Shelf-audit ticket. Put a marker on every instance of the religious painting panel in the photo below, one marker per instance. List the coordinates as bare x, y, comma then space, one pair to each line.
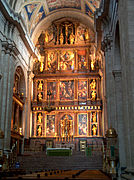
51, 87
50, 125
82, 90
67, 60
81, 29
67, 90
52, 61
82, 63
82, 124
66, 126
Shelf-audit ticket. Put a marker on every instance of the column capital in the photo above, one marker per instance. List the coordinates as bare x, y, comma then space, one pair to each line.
10, 48
107, 42
117, 74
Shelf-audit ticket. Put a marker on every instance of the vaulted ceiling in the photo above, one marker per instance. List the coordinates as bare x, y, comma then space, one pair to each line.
38, 14
34, 12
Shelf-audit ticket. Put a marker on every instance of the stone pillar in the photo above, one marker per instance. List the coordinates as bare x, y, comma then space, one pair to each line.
119, 116
8, 54
110, 95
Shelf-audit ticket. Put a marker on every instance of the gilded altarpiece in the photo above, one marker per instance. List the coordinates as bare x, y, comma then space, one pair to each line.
67, 90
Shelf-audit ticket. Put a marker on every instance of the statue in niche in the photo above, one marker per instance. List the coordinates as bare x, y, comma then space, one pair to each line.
71, 38
93, 84
94, 117
94, 130
40, 118
36, 66
93, 95
61, 38
39, 130
86, 34
92, 64
40, 86
41, 66
40, 96
46, 37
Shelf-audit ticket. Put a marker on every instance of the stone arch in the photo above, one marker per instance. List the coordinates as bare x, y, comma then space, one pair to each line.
67, 13
22, 83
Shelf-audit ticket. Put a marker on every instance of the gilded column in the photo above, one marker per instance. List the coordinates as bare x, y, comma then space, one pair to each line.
76, 60
46, 60
45, 90
98, 123
58, 57
35, 120
43, 125
97, 88
76, 33
57, 34
87, 59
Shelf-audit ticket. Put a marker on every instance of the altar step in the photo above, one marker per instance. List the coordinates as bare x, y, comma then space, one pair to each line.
34, 162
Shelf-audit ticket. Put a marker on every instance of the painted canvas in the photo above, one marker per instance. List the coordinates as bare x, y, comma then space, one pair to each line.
50, 126
82, 90
51, 86
67, 60
67, 90
82, 64
51, 62
82, 124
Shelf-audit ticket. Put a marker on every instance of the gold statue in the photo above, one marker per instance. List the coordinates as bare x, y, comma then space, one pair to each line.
46, 37
93, 84
71, 38
93, 95
40, 96
94, 130
61, 38
86, 34
39, 131
40, 118
41, 66
94, 116
40, 87
92, 64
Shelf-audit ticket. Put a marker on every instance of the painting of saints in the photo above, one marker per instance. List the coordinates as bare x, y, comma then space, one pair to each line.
67, 61
82, 124
51, 86
66, 90
50, 129
51, 62
82, 90
82, 63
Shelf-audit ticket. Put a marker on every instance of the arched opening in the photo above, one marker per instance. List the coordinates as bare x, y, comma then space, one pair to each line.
17, 110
